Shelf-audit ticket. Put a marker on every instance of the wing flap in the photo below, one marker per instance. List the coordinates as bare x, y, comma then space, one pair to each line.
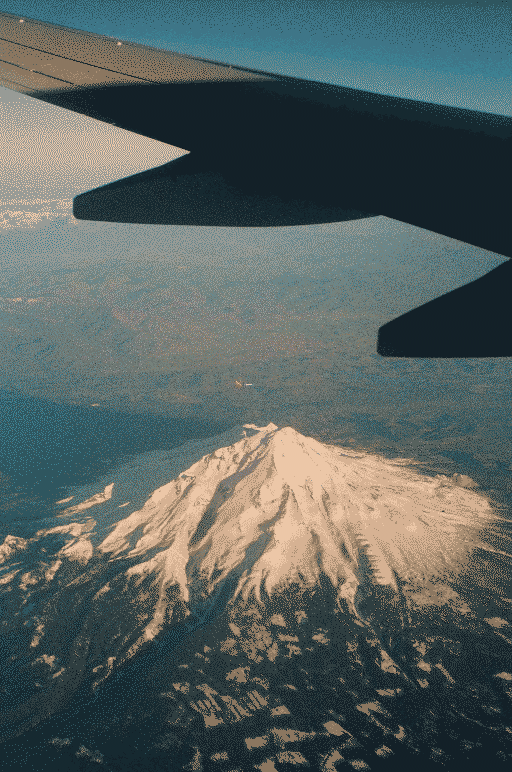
137, 61
57, 67
25, 81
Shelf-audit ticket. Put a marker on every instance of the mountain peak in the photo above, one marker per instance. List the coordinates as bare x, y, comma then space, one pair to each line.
272, 514
277, 507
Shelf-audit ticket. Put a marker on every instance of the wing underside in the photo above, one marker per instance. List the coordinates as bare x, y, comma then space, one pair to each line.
272, 150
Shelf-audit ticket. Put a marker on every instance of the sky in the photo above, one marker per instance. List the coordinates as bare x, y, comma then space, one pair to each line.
453, 53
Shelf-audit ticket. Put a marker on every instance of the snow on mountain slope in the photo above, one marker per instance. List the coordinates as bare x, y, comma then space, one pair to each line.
279, 507
274, 510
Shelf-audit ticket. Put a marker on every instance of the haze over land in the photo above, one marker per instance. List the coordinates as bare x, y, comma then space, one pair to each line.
110, 330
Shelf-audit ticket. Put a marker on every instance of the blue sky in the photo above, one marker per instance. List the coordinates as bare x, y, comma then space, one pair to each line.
456, 53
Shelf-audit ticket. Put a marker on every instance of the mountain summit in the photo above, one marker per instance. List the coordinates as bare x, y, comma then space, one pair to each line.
277, 508
276, 530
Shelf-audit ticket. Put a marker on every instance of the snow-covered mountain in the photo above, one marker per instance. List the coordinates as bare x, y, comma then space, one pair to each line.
278, 527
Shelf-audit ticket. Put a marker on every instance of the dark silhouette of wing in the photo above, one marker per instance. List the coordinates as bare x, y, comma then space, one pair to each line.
272, 150
471, 321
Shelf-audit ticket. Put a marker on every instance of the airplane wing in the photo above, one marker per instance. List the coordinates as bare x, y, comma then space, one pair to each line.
273, 150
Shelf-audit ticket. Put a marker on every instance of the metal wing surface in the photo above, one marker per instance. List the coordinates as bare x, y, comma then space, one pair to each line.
273, 150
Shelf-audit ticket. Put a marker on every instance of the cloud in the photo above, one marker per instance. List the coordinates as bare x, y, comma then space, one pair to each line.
23, 213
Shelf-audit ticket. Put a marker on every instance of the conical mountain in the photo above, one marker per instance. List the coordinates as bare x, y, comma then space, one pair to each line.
279, 507
275, 531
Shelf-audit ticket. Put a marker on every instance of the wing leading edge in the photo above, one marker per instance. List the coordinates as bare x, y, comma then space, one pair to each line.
272, 150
